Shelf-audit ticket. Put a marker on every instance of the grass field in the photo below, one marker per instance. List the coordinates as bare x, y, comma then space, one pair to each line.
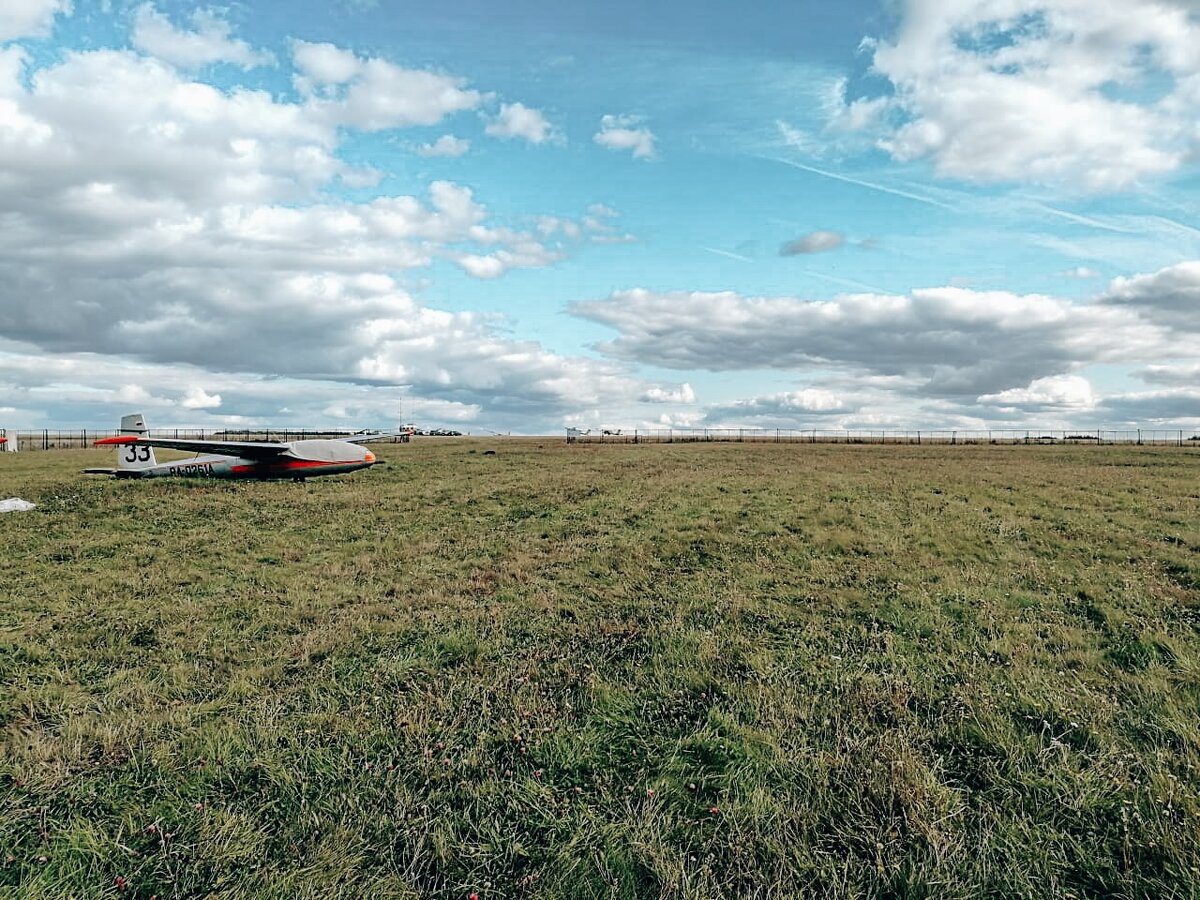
622, 671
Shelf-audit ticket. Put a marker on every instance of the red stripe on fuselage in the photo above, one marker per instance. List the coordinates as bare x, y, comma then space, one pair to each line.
292, 465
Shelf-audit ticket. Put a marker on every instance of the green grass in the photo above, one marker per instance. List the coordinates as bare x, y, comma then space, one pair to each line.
619, 671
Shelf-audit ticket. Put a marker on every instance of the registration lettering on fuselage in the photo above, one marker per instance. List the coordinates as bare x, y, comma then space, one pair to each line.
192, 469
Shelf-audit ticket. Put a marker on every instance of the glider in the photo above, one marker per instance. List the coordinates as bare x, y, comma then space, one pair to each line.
296, 460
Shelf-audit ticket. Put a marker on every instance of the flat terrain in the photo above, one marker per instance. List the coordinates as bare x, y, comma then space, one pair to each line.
607, 671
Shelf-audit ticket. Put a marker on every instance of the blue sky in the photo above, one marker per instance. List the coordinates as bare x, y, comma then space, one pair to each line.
527, 216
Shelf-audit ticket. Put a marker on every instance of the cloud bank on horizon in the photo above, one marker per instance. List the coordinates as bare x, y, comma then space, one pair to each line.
969, 214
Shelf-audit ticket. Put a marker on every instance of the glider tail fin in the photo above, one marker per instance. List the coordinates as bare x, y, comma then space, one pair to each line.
132, 457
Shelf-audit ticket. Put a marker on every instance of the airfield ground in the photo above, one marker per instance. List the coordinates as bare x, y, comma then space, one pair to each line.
614, 671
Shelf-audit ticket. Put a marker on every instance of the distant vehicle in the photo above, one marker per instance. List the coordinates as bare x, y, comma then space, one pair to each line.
261, 460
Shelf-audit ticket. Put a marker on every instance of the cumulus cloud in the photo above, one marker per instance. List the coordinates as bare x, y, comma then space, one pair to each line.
197, 398
373, 94
516, 120
1180, 375
624, 133
784, 410
813, 242
30, 18
1050, 91
1170, 407
1057, 392
1170, 296
681, 394
210, 42
153, 220
950, 342
446, 145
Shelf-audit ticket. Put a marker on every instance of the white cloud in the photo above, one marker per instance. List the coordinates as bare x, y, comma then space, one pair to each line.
374, 94
620, 133
325, 64
1181, 375
1061, 392
1177, 407
160, 222
515, 120
154, 34
135, 395
785, 410
682, 393
446, 145
30, 18
1170, 296
1049, 91
487, 266
197, 398
950, 342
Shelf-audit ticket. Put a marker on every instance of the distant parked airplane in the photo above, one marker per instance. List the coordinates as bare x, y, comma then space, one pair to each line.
296, 460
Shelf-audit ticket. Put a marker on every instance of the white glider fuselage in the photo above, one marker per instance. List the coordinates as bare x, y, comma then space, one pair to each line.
297, 460
261, 460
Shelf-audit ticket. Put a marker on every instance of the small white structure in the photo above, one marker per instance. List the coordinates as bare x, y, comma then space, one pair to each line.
15, 504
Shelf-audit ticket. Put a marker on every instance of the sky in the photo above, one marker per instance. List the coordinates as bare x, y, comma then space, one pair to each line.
539, 214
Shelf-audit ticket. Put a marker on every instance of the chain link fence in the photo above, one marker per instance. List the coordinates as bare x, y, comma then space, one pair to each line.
1140, 436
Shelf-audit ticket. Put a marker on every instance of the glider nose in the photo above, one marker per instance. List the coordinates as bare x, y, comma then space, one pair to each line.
370, 457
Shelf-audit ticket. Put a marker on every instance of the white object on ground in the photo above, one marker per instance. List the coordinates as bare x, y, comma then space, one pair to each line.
15, 504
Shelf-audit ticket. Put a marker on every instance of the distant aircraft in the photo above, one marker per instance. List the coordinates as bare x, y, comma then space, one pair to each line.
296, 460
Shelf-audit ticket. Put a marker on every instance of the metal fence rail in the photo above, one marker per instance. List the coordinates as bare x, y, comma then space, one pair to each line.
1139, 436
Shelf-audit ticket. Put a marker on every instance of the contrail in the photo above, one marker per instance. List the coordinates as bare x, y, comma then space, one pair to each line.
1175, 226
737, 256
1084, 220
849, 282
870, 185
